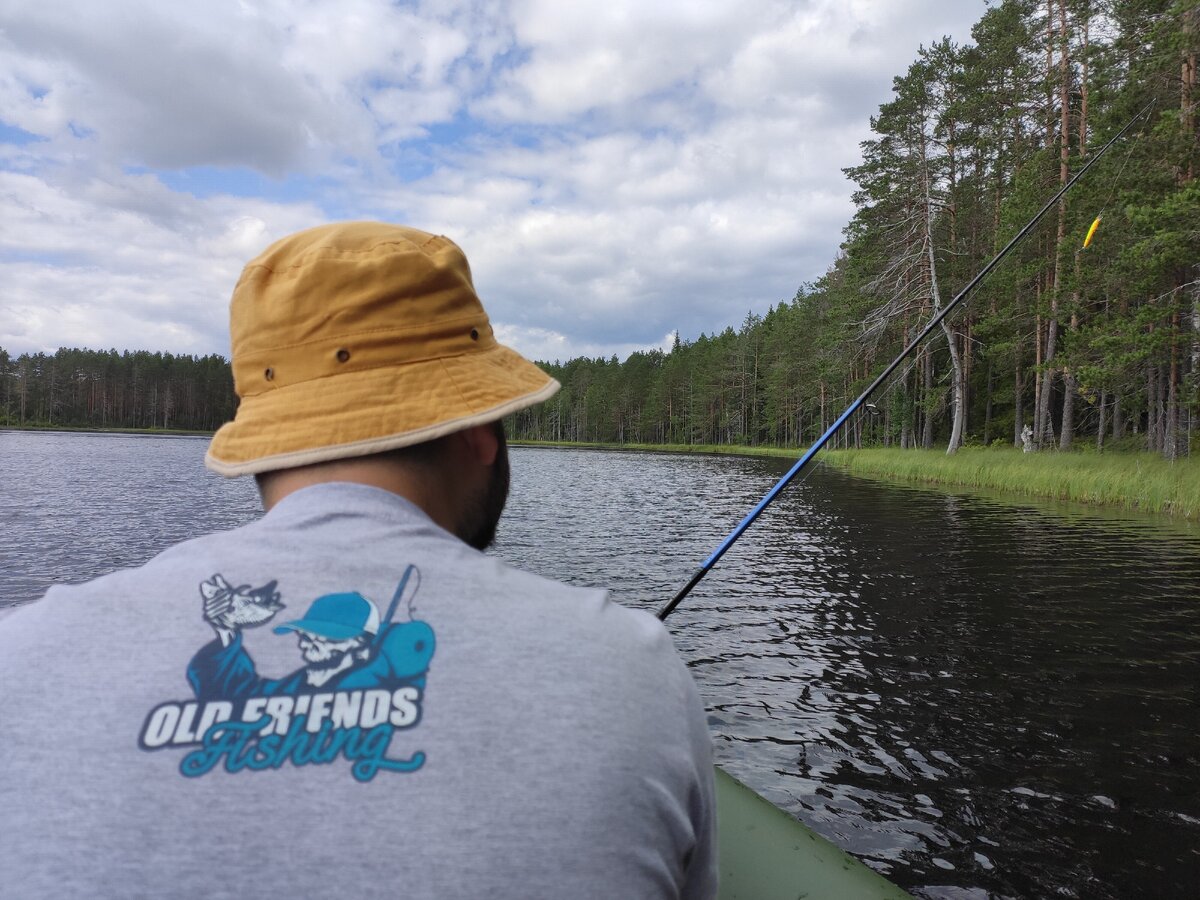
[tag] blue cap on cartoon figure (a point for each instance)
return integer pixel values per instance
(337, 617)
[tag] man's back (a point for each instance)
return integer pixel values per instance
(171, 733)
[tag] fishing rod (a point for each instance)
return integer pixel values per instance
(783, 482)
(391, 610)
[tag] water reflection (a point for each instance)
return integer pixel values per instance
(981, 699)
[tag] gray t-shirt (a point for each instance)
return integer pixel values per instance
(262, 713)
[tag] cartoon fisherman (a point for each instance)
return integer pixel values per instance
(342, 641)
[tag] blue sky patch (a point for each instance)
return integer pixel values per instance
(210, 181)
(11, 134)
(54, 258)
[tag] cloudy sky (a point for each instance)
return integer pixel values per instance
(615, 169)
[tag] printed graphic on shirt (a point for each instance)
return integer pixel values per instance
(361, 680)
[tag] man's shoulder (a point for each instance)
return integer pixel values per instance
(585, 621)
(562, 601)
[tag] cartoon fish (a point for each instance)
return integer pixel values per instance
(238, 607)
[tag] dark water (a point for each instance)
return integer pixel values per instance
(980, 699)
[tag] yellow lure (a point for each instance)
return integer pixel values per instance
(1091, 232)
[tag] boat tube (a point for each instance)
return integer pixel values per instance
(765, 854)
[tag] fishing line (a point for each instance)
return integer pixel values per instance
(933, 323)
(1091, 232)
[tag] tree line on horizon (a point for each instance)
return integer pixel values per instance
(1078, 345)
(74, 388)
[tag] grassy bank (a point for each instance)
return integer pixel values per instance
(1141, 481)
(1132, 480)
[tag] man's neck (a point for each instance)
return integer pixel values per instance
(446, 487)
(416, 484)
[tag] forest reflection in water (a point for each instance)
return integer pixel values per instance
(979, 698)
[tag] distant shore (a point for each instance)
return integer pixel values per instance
(96, 429)
(695, 449)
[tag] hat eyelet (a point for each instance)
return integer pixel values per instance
(474, 334)
(343, 355)
(269, 374)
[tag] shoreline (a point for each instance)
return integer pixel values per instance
(94, 429)
(1123, 479)
(1133, 480)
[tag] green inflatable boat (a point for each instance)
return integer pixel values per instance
(765, 854)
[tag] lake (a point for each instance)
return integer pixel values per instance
(979, 697)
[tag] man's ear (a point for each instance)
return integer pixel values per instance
(482, 443)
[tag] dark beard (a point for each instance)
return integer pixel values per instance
(480, 529)
(334, 660)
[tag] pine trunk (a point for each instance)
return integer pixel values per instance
(1170, 448)
(927, 405)
(1070, 386)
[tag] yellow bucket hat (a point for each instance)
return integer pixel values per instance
(357, 338)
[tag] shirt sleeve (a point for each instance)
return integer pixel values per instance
(227, 673)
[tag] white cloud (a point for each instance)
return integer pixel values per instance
(615, 170)
(544, 345)
(585, 56)
(123, 262)
(161, 86)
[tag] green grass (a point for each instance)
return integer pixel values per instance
(1128, 479)
(1141, 481)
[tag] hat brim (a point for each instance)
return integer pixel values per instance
(331, 630)
(374, 410)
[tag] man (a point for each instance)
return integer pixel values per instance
(341, 640)
(487, 733)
